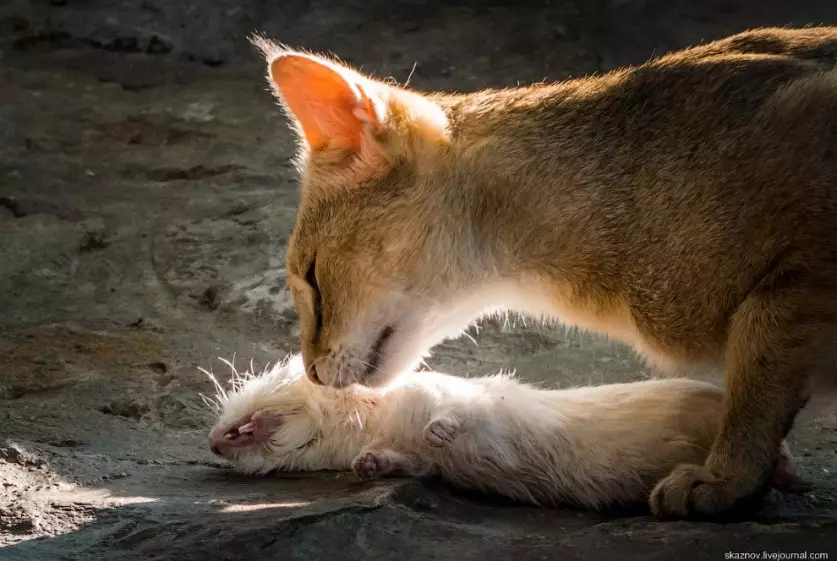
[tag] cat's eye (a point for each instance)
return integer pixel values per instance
(311, 279)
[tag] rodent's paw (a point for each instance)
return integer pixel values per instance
(371, 465)
(784, 476)
(692, 490)
(441, 432)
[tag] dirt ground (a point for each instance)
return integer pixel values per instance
(146, 199)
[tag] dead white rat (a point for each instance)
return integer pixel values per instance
(594, 447)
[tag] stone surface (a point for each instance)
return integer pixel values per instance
(146, 198)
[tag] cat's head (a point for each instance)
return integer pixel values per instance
(378, 262)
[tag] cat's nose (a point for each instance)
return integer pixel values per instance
(312, 375)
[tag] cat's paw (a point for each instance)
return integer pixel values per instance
(692, 490)
(371, 465)
(441, 432)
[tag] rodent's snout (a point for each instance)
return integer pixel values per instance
(217, 444)
(256, 428)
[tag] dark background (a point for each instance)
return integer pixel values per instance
(146, 198)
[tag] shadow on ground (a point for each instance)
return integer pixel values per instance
(146, 199)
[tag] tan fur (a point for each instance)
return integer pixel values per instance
(687, 206)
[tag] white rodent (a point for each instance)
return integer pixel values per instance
(594, 447)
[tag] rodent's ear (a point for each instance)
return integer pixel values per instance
(331, 104)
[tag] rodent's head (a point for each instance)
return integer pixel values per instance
(377, 258)
(280, 420)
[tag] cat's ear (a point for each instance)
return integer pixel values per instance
(333, 105)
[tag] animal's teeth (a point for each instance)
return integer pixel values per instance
(249, 427)
(231, 435)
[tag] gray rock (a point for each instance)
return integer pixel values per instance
(146, 199)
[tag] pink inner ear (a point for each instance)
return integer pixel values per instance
(248, 430)
(328, 101)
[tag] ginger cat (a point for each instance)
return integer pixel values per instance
(687, 206)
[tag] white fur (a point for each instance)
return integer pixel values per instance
(422, 323)
(592, 446)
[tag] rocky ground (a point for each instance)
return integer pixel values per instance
(146, 199)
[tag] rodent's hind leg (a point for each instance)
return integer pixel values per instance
(372, 464)
(784, 476)
(443, 429)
